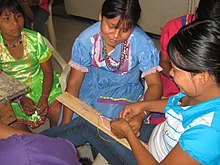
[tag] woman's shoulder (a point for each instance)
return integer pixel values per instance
(32, 37)
(139, 34)
(29, 32)
(140, 37)
(173, 25)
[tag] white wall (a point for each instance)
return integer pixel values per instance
(155, 13)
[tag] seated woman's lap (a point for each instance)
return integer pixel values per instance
(79, 132)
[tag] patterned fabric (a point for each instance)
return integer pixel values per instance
(104, 89)
(196, 128)
(28, 71)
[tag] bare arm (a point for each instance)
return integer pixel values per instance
(28, 105)
(165, 64)
(29, 2)
(46, 86)
(136, 108)
(122, 129)
(178, 156)
(73, 87)
(154, 90)
(7, 131)
(141, 154)
(48, 77)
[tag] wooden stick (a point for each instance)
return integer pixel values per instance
(89, 114)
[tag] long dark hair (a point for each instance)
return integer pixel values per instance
(11, 6)
(196, 48)
(128, 10)
(208, 9)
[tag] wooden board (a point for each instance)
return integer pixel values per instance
(89, 114)
(10, 87)
(6, 113)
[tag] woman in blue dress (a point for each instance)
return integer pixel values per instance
(110, 60)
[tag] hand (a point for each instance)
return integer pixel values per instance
(120, 128)
(28, 105)
(136, 123)
(131, 110)
(42, 106)
(26, 2)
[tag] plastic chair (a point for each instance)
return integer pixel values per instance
(50, 26)
(65, 68)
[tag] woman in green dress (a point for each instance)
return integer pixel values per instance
(25, 56)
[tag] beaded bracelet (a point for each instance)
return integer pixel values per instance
(18, 100)
(44, 95)
(145, 113)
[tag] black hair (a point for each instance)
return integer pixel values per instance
(128, 10)
(208, 9)
(11, 6)
(196, 48)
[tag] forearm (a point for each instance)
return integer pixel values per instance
(7, 131)
(166, 67)
(153, 106)
(153, 92)
(47, 84)
(141, 154)
(165, 64)
(73, 88)
(48, 77)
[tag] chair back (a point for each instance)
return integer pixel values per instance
(65, 68)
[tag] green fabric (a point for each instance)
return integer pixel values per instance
(27, 70)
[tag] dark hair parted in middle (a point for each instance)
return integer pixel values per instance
(128, 10)
(196, 48)
(10, 6)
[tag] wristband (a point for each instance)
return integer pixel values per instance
(44, 95)
(18, 100)
(145, 113)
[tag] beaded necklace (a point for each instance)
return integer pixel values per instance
(26, 58)
(13, 44)
(111, 63)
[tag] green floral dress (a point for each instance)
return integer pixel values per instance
(27, 70)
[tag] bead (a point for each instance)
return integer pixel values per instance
(117, 64)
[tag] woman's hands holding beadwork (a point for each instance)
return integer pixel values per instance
(28, 105)
(43, 106)
(131, 110)
(136, 123)
(134, 116)
(121, 128)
